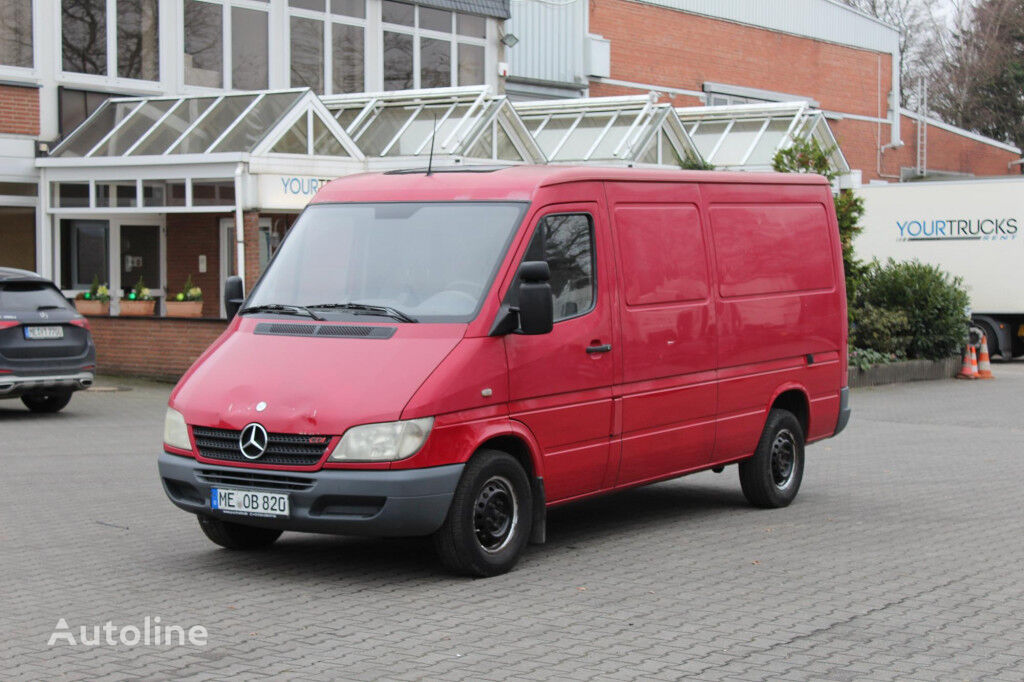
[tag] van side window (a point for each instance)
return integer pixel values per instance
(566, 242)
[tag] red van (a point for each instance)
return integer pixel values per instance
(451, 354)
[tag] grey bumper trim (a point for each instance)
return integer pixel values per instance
(393, 503)
(12, 385)
(844, 410)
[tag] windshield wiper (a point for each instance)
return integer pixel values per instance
(365, 309)
(49, 307)
(281, 308)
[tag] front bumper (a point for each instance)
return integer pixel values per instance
(12, 385)
(379, 503)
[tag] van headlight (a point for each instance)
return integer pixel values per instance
(384, 442)
(175, 431)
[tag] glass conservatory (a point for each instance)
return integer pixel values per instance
(632, 130)
(747, 136)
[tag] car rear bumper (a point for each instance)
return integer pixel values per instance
(12, 385)
(339, 501)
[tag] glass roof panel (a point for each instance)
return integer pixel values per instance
(583, 137)
(738, 142)
(257, 122)
(774, 136)
(551, 135)
(142, 120)
(324, 141)
(506, 149)
(295, 141)
(213, 124)
(707, 134)
(484, 147)
(610, 142)
(96, 128)
(346, 116)
(382, 129)
(164, 135)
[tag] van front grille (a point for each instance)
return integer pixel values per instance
(252, 479)
(284, 449)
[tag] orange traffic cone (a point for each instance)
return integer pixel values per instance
(969, 369)
(984, 362)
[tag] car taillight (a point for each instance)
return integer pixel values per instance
(4, 324)
(81, 322)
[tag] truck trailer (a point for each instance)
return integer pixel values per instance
(970, 228)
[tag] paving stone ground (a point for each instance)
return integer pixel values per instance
(901, 559)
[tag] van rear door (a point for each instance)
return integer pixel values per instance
(560, 384)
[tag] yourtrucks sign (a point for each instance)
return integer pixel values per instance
(953, 229)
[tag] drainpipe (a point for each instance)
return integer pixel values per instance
(239, 227)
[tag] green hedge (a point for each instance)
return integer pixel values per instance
(908, 309)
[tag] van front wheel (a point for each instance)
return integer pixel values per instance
(771, 478)
(488, 524)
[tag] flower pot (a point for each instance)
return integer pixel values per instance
(137, 308)
(92, 307)
(184, 309)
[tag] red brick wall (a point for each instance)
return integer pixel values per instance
(19, 110)
(667, 47)
(188, 236)
(661, 46)
(151, 347)
(251, 228)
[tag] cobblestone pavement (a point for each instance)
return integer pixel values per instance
(902, 558)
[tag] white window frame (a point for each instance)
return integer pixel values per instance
(327, 21)
(416, 32)
(110, 80)
(227, 77)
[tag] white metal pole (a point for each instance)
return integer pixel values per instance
(239, 227)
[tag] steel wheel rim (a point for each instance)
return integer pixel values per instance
(495, 514)
(783, 459)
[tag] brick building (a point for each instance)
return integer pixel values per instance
(708, 52)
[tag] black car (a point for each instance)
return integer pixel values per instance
(46, 350)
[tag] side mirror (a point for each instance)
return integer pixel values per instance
(536, 304)
(234, 295)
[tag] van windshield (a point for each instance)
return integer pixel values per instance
(428, 262)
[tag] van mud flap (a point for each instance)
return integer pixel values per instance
(539, 531)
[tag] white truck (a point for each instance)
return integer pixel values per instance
(970, 228)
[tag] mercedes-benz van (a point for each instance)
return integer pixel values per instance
(452, 353)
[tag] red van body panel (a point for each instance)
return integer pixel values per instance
(716, 293)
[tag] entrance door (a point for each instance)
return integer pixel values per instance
(561, 383)
(140, 257)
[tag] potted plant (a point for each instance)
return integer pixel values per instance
(96, 301)
(186, 303)
(139, 302)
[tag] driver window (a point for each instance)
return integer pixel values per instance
(566, 242)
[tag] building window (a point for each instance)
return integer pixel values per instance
(138, 41)
(84, 27)
(16, 33)
(431, 48)
(316, 26)
(84, 36)
(83, 249)
(210, 28)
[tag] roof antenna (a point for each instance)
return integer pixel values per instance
(430, 160)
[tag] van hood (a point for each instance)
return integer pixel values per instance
(310, 385)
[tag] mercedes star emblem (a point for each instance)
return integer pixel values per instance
(253, 441)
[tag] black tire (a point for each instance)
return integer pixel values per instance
(990, 336)
(771, 478)
(236, 535)
(489, 522)
(46, 403)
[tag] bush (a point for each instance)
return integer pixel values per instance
(932, 303)
(863, 358)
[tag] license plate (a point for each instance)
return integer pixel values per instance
(249, 502)
(39, 333)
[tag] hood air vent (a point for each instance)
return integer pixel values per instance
(336, 331)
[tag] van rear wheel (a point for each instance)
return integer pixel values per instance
(236, 535)
(771, 478)
(489, 521)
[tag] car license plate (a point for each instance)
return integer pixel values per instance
(39, 333)
(249, 502)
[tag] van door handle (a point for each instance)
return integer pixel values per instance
(599, 349)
